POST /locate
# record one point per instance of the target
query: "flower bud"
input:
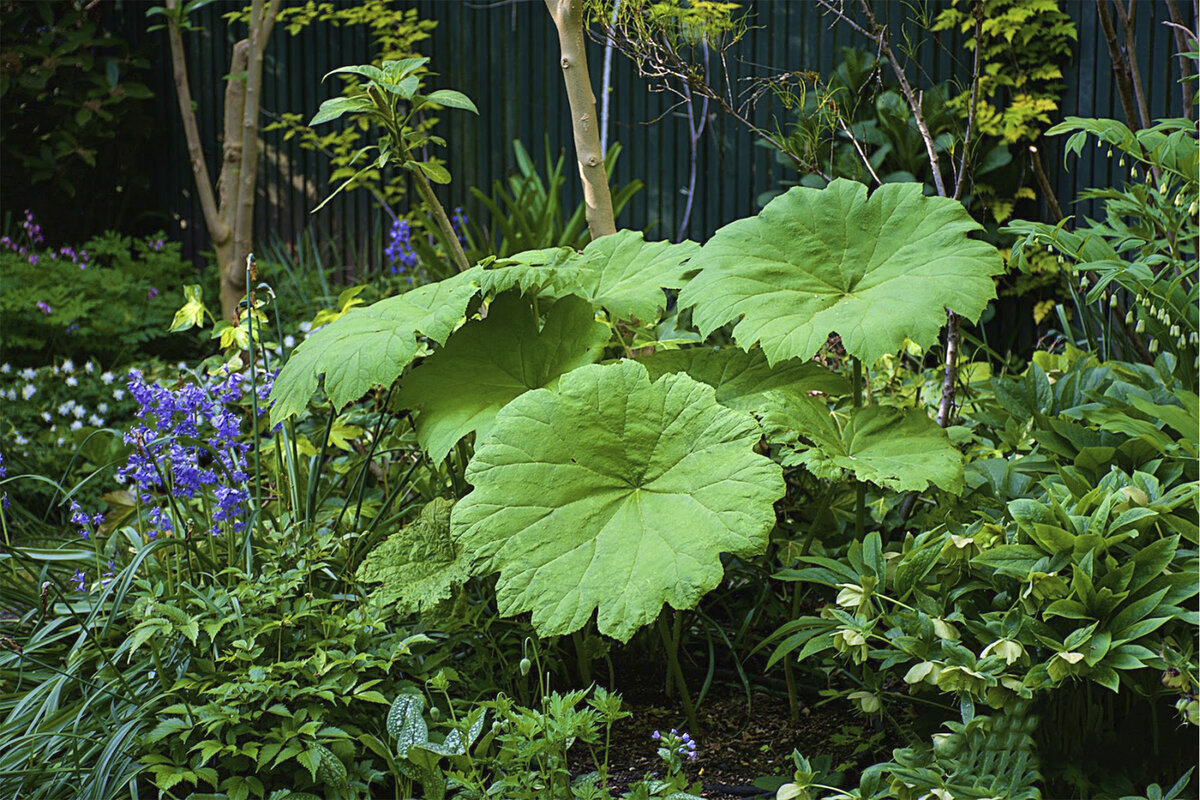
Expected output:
(524, 666)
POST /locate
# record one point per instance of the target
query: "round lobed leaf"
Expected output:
(614, 495)
(875, 270)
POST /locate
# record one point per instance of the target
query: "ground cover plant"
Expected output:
(516, 518)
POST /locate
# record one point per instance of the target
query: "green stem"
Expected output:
(860, 489)
(677, 673)
(443, 222)
(250, 311)
(789, 676)
(581, 659)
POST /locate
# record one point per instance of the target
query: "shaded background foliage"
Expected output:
(516, 83)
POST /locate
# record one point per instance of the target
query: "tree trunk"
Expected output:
(233, 274)
(229, 214)
(568, 19)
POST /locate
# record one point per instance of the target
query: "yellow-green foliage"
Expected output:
(674, 24)
(1025, 44)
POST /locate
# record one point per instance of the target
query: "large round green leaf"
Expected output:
(620, 272)
(488, 362)
(614, 495)
(901, 449)
(875, 270)
(371, 345)
(744, 380)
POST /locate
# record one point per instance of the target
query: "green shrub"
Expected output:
(112, 299)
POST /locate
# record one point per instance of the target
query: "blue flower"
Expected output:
(399, 251)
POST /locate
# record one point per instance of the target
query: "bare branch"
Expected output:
(1120, 65)
(1039, 172)
(1182, 32)
(1135, 76)
(858, 149)
(878, 35)
(961, 178)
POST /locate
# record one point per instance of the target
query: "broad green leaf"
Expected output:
(489, 362)
(335, 107)
(397, 70)
(452, 99)
(1015, 560)
(371, 345)
(419, 565)
(621, 273)
(614, 495)
(876, 270)
(435, 172)
(742, 379)
(901, 449)
(365, 70)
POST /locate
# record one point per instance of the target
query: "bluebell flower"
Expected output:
(399, 251)
(459, 223)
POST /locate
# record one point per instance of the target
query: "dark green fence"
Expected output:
(504, 55)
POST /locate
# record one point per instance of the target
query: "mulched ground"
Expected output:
(736, 744)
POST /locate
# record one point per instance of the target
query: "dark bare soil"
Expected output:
(737, 743)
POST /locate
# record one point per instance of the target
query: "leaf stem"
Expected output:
(860, 489)
(677, 674)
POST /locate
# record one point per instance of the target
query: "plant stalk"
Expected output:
(860, 489)
(673, 665)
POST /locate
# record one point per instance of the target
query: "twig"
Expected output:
(1035, 160)
(1139, 91)
(1120, 65)
(1182, 33)
(878, 34)
(961, 178)
(858, 149)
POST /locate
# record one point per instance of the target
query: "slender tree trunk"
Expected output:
(568, 20)
(229, 212)
(1121, 69)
